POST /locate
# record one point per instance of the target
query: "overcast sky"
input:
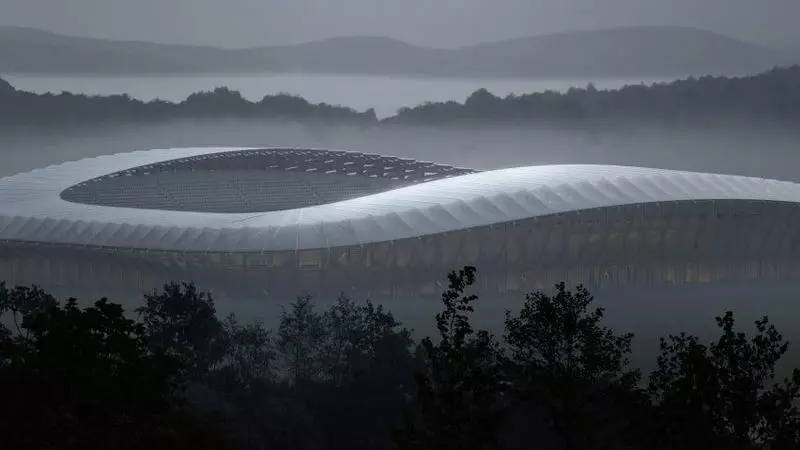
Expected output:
(235, 23)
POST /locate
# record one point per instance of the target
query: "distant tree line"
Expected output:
(771, 96)
(351, 376)
(27, 108)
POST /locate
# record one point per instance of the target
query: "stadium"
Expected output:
(276, 222)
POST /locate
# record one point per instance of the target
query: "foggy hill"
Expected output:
(641, 51)
(619, 52)
(29, 50)
(356, 55)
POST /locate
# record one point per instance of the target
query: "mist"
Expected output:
(740, 149)
(281, 298)
(733, 148)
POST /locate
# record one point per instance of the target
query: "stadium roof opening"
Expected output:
(247, 181)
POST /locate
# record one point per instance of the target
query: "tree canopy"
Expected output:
(720, 396)
(347, 374)
(27, 108)
(772, 96)
(78, 378)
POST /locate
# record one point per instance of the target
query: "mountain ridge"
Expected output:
(613, 52)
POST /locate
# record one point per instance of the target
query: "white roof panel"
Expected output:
(32, 210)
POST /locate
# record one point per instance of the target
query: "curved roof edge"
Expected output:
(32, 211)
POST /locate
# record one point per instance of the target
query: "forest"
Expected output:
(172, 374)
(769, 97)
(64, 109)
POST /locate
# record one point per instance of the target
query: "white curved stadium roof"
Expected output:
(31, 209)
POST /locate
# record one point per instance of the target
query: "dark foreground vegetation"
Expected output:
(351, 377)
(769, 97)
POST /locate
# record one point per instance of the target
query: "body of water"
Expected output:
(386, 95)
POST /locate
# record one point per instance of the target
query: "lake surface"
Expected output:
(386, 95)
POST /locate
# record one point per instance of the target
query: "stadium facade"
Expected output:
(279, 221)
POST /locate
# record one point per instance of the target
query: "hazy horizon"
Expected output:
(739, 148)
(767, 44)
(384, 94)
(441, 24)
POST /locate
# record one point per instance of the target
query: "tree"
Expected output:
(250, 354)
(301, 337)
(243, 384)
(717, 396)
(85, 378)
(181, 321)
(369, 365)
(570, 368)
(5, 332)
(458, 394)
(21, 301)
(360, 339)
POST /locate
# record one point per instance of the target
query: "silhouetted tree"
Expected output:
(344, 377)
(368, 365)
(19, 302)
(717, 397)
(181, 321)
(358, 337)
(458, 395)
(85, 378)
(250, 354)
(301, 337)
(244, 386)
(571, 369)
(220, 100)
(340, 381)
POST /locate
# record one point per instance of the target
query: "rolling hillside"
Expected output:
(619, 52)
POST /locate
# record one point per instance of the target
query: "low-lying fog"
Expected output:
(739, 149)
(724, 148)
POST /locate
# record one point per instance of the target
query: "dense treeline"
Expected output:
(26, 108)
(351, 376)
(771, 96)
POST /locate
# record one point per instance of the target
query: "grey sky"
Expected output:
(234, 23)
